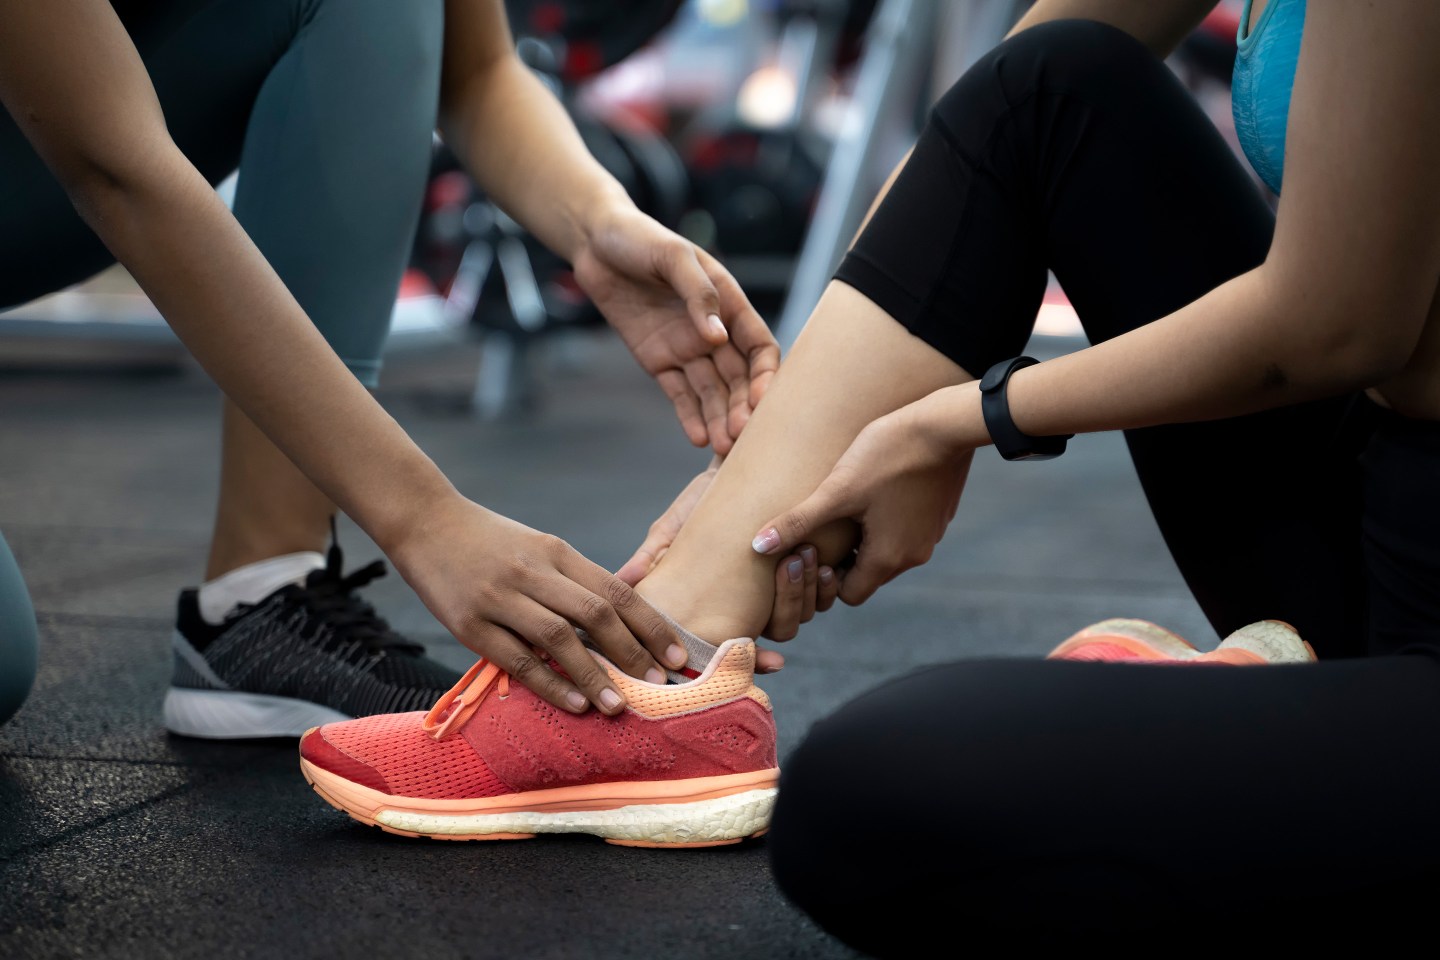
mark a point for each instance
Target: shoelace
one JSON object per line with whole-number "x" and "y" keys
{"x": 330, "y": 595}
{"x": 459, "y": 703}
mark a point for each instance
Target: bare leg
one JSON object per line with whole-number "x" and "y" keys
{"x": 851, "y": 365}
{"x": 267, "y": 506}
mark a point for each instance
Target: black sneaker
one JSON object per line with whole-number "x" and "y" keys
{"x": 303, "y": 656}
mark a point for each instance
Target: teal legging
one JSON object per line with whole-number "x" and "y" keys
{"x": 17, "y": 636}
{"x": 326, "y": 107}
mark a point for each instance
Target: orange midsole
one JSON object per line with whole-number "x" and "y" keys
{"x": 594, "y": 796}
{"x": 1135, "y": 645}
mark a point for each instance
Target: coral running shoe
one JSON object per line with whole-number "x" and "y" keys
{"x": 685, "y": 765}
{"x": 1140, "y": 641}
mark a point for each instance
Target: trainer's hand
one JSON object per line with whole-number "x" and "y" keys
{"x": 684, "y": 318}
{"x": 900, "y": 481}
{"x": 502, "y": 588}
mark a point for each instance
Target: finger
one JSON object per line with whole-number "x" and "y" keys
{"x": 787, "y": 532}
{"x": 868, "y": 575}
{"x": 827, "y": 590}
{"x": 748, "y": 330}
{"x": 637, "y": 620}
{"x": 516, "y": 658}
{"x": 809, "y": 560}
{"x": 638, "y": 566}
{"x": 682, "y": 270}
{"x": 646, "y": 556}
{"x": 789, "y": 586}
{"x": 687, "y": 405}
{"x": 573, "y": 603}
{"x": 705, "y": 381}
{"x": 769, "y": 661}
{"x": 736, "y": 374}
{"x": 752, "y": 339}
{"x": 555, "y": 635}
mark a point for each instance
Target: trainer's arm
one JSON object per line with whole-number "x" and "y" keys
{"x": 72, "y": 79}
{"x": 74, "y": 82}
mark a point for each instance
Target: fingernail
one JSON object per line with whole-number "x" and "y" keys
{"x": 654, "y": 675}
{"x": 576, "y": 701}
{"x": 767, "y": 542}
{"x": 795, "y": 570}
{"x": 609, "y": 699}
{"x": 715, "y": 325}
{"x": 826, "y": 574}
{"x": 808, "y": 555}
{"x": 676, "y": 655}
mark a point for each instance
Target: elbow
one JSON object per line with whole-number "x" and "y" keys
{"x": 108, "y": 187}
{"x": 1364, "y": 350}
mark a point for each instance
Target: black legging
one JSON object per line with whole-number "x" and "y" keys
{"x": 1038, "y": 800}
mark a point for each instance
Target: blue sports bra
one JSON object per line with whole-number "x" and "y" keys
{"x": 1260, "y": 89}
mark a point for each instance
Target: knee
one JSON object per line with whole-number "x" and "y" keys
{"x": 1086, "y": 58}
{"x": 405, "y": 40}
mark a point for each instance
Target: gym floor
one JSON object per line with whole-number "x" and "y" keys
{"x": 119, "y": 840}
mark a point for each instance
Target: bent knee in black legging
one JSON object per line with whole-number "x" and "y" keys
{"x": 959, "y": 250}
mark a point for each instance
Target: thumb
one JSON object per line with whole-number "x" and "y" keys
{"x": 688, "y": 278}
{"x": 795, "y": 527}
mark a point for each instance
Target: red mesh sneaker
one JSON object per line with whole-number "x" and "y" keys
{"x": 685, "y": 765}
{"x": 1140, "y": 641}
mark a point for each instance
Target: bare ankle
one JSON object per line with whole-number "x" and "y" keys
{"x": 676, "y": 596}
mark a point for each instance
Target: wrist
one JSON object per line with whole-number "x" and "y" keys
{"x": 424, "y": 509}
{"x": 593, "y": 212}
{"x": 950, "y": 419}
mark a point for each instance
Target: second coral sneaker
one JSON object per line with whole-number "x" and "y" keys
{"x": 685, "y": 765}
{"x": 1122, "y": 640}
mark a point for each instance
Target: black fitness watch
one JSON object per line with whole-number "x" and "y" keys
{"x": 995, "y": 408}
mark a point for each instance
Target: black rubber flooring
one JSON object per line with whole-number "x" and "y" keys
{"x": 118, "y": 840}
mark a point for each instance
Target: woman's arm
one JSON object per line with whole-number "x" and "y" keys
{"x": 669, "y": 300}
{"x": 1340, "y": 302}
{"x": 73, "y": 81}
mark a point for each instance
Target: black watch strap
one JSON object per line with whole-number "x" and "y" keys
{"x": 1011, "y": 443}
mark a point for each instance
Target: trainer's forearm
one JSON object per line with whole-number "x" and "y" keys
{"x": 523, "y": 149}
{"x": 76, "y": 86}
{"x": 226, "y": 304}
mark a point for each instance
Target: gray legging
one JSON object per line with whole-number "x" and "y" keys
{"x": 17, "y": 636}
{"x": 327, "y": 108}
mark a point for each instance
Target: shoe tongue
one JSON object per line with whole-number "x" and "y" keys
{"x": 254, "y": 582}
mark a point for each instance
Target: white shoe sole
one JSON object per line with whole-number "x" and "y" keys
{"x": 620, "y": 813}
{"x": 234, "y": 715}
{"x": 1272, "y": 640}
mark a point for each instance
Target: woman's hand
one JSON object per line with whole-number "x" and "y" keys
{"x": 502, "y": 588}
{"x": 900, "y": 480}
{"x": 803, "y": 586}
{"x": 672, "y": 303}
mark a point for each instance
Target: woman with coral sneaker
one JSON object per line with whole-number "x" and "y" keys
{"x": 117, "y": 115}
{"x": 1278, "y": 379}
